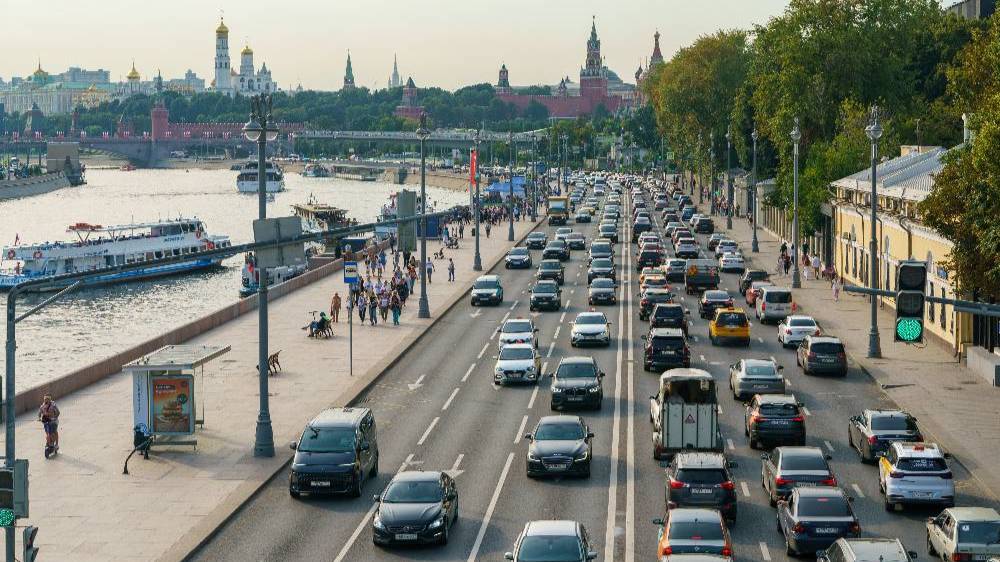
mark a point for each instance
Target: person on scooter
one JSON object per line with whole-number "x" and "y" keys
{"x": 48, "y": 413}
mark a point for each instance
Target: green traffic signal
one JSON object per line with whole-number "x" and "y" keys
{"x": 6, "y": 517}
{"x": 909, "y": 329}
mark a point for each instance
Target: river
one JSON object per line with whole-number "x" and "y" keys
{"x": 92, "y": 324}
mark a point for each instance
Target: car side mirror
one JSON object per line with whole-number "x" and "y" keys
{"x": 508, "y": 555}
{"x": 912, "y": 554}
{"x": 376, "y": 498}
{"x": 658, "y": 521}
{"x": 293, "y": 445}
{"x": 591, "y": 555}
{"x": 765, "y": 456}
{"x": 536, "y": 330}
{"x": 800, "y": 404}
{"x": 529, "y": 437}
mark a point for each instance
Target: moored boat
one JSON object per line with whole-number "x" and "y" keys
{"x": 246, "y": 180}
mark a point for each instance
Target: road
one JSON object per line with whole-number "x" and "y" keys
{"x": 437, "y": 408}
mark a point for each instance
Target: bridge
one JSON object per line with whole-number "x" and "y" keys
{"x": 440, "y": 137}
{"x": 141, "y": 151}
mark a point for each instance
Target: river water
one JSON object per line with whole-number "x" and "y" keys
{"x": 95, "y": 323}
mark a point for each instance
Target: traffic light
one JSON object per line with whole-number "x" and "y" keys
{"x": 911, "y": 287}
{"x": 7, "y": 516}
{"x": 30, "y": 550}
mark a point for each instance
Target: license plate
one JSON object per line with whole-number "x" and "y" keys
{"x": 557, "y": 466}
{"x": 320, "y": 484}
{"x": 575, "y": 398}
{"x": 760, "y": 386}
{"x": 406, "y": 537}
{"x": 779, "y": 422}
{"x": 826, "y": 530}
{"x": 701, "y": 490}
{"x": 981, "y": 557}
{"x": 923, "y": 494}
{"x": 827, "y": 359}
{"x": 805, "y": 484}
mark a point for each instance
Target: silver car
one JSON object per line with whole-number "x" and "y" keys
{"x": 964, "y": 533}
{"x": 793, "y": 329}
{"x": 755, "y": 376}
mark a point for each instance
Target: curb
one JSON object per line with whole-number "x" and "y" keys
{"x": 208, "y": 528}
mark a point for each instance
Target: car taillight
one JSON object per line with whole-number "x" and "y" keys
{"x": 872, "y": 440}
{"x": 687, "y": 350}
{"x": 757, "y": 418}
{"x": 961, "y": 557}
{"x": 947, "y": 475}
{"x": 816, "y": 333}
{"x": 895, "y": 474}
{"x": 667, "y": 551}
{"x": 763, "y": 305}
{"x": 842, "y": 356}
{"x": 728, "y": 485}
{"x": 831, "y": 481}
{"x": 677, "y": 484}
{"x": 798, "y": 419}
{"x": 727, "y": 551}
{"x": 798, "y": 528}
{"x": 855, "y": 528}
{"x": 780, "y": 481}
{"x": 794, "y": 306}
{"x": 644, "y": 302}
{"x": 788, "y": 331}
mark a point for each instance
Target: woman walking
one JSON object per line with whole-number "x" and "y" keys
{"x": 837, "y": 285}
{"x": 362, "y": 306}
{"x": 373, "y": 309}
{"x": 396, "y": 306}
{"x": 383, "y": 305}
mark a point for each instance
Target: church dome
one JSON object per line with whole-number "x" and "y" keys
{"x": 133, "y": 74}
{"x": 246, "y": 50}
{"x": 222, "y": 29}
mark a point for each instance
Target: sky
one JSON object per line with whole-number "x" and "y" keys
{"x": 445, "y": 43}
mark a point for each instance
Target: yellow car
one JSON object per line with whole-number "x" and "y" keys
{"x": 730, "y": 325}
{"x": 590, "y": 210}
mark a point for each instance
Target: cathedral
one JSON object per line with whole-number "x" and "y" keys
{"x": 248, "y": 81}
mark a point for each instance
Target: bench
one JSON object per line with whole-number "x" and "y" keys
{"x": 273, "y": 363}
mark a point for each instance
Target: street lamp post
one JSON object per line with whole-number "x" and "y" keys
{"x": 796, "y": 135}
{"x": 510, "y": 199}
{"x": 874, "y": 133}
{"x": 729, "y": 177}
{"x": 477, "y": 261}
{"x": 711, "y": 170}
{"x": 563, "y": 158}
{"x": 754, "y": 245}
{"x": 260, "y": 130}
{"x": 701, "y": 187}
{"x": 534, "y": 179}
{"x": 424, "y": 310}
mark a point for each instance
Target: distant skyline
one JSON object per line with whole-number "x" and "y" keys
{"x": 446, "y": 43}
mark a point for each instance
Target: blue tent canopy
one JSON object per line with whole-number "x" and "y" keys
{"x": 503, "y": 188}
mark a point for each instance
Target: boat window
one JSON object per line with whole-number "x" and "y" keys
{"x": 194, "y": 250}
{"x": 119, "y": 259}
{"x": 176, "y": 252}
{"x": 149, "y": 256}
{"x": 158, "y": 254}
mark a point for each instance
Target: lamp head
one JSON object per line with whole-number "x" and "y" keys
{"x": 796, "y": 133}
{"x": 874, "y": 129}
{"x": 754, "y": 135}
{"x": 252, "y": 130}
{"x": 422, "y": 131}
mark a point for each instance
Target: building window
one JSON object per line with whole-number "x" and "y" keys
{"x": 944, "y": 319}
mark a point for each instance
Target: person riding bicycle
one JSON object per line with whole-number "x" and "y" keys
{"x": 48, "y": 413}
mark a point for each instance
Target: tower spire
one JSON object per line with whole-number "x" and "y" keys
{"x": 349, "y": 74}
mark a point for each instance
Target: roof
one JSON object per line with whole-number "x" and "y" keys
{"x": 559, "y": 419}
{"x": 666, "y": 333}
{"x": 819, "y": 491}
{"x": 339, "y": 417}
{"x": 918, "y": 450}
{"x": 685, "y": 373}
{"x": 886, "y": 413}
{"x": 757, "y": 362}
{"x": 550, "y": 527}
{"x": 974, "y": 513}
{"x": 577, "y": 359}
{"x": 823, "y": 339}
{"x": 694, "y": 514}
{"x": 222, "y": 29}
{"x": 775, "y": 398}
{"x": 418, "y": 476}
{"x": 799, "y": 451}
{"x": 909, "y": 177}
{"x": 873, "y": 548}
{"x": 177, "y": 357}
{"x": 488, "y": 278}
{"x": 700, "y": 460}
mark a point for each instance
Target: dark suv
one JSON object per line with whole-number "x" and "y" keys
{"x": 551, "y": 269}
{"x": 545, "y": 294}
{"x": 536, "y": 240}
{"x": 651, "y": 297}
{"x": 821, "y": 355}
{"x": 774, "y": 419}
{"x": 336, "y": 454}
{"x": 669, "y": 316}
{"x": 666, "y": 348}
{"x": 649, "y": 258}
{"x": 556, "y": 249}
{"x": 701, "y": 480}
{"x": 704, "y": 226}
{"x": 577, "y": 382}
{"x": 751, "y": 275}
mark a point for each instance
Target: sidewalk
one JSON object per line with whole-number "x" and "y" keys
{"x": 87, "y": 510}
{"x": 954, "y": 407}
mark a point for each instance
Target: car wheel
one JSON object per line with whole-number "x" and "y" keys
{"x": 359, "y": 483}
{"x": 889, "y": 506}
{"x": 293, "y": 493}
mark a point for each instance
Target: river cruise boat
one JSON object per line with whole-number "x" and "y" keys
{"x": 246, "y": 180}
{"x": 390, "y": 211}
{"x": 315, "y": 171}
{"x": 320, "y": 217}
{"x": 98, "y": 247}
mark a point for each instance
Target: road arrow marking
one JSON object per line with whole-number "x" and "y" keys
{"x": 454, "y": 472}
{"x": 857, "y": 490}
{"x": 476, "y": 314}
{"x": 417, "y": 384}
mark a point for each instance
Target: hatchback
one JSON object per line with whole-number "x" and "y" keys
{"x": 755, "y": 376}
{"x": 693, "y": 530}
{"x": 701, "y": 480}
{"x": 964, "y": 533}
{"x": 871, "y": 432}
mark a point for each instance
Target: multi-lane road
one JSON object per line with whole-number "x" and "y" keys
{"x": 438, "y": 408}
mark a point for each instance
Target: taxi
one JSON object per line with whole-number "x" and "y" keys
{"x": 657, "y": 280}
{"x": 730, "y": 325}
{"x": 647, "y": 271}
{"x": 915, "y": 473}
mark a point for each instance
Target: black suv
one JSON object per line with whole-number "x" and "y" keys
{"x": 536, "y": 240}
{"x": 649, "y": 258}
{"x": 704, "y": 226}
{"x": 551, "y": 269}
{"x": 545, "y": 294}
{"x": 666, "y": 348}
{"x": 702, "y": 480}
{"x": 602, "y": 267}
{"x": 774, "y": 419}
{"x": 652, "y": 297}
{"x": 669, "y": 316}
{"x": 336, "y": 454}
{"x": 576, "y": 382}
{"x": 556, "y": 249}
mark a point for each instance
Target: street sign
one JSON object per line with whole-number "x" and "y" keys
{"x": 670, "y": 155}
{"x": 350, "y": 272}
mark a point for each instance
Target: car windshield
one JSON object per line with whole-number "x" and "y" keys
{"x": 602, "y": 263}
{"x": 893, "y": 423}
{"x": 516, "y": 326}
{"x": 591, "y": 319}
{"x": 696, "y": 530}
{"x": 413, "y": 491}
{"x": 545, "y": 288}
{"x": 803, "y": 462}
{"x": 981, "y": 532}
{"x": 485, "y": 285}
{"x": 657, "y": 296}
{"x": 519, "y": 252}
{"x": 761, "y": 371}
{"x": 668, "y": 342}
{"x": 550, "y": 549}
{"x": 559, "y": 432}
{"x": 786, "y": 410}
{"x": 802, "y": 323}
{"x": 731, "y": 319}
{"x": 576, "y": 371}
{"x": 668, "y": 312}
{"x": 783, "y": 297}
{"x": 716, "y": 296}
{"x": 510, "y": 353}
{"x": 331, "y": 440}
{"x": 549, "y": 265}
{"x": 921, "y": 464}
{"x": 701, "y": 475}
{"x": 823, "y": 507}
{"x": 603, "y": 283}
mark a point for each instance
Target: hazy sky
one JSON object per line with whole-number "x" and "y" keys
{"x": 447, "y": 43}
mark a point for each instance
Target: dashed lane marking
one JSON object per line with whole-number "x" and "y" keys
{"x": 806, "y": 411}
{"x": 427, "y": 433}
{"x": 562, "y": 317}
{"x": 857, "y": 490}
{"x": 551, "y": 347}
{"x": 450, "y": 398}
{"x": 745, "y": 488}
{"x": 520, "y": 430}
{"x": 701, "y": 357}
{"x": 555, "y": 335}
{"x": 828, "y": 445}
{"x": 483, "y": 350}
{"x": 513, "y": 306}
{"x": 760, "y": 340}
{"x": 489, "y": 510}
{"x": 534, "y": 394}
{"x": 469, "y": 372}
{"x": 763, "y": 551}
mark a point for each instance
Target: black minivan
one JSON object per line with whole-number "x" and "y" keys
{"x": 336, "y": 454}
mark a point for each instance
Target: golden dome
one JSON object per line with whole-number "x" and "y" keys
{"x": 133, "y": 74}
{"x": 246, "y": 50}
{"x": 39, "y": 71}
{"x": 222, "y": 29}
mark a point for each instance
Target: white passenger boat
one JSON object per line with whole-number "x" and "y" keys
{"x": 97, "y": 247}
{"x": 246, "y": 181}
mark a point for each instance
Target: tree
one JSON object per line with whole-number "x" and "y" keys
{"x": 536, "y": 111}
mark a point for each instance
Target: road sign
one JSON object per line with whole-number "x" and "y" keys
{"x": 350, "y": 272}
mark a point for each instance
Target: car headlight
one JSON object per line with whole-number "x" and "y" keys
{"x": 498, "y": 369}
{"x": 530, "y": 369}
{"x": 556, "y": 390}
{"x": 436, "y": 523}
{"x": 532, "y": 456}
{"x": 583, "y": 456}
{"x": 377, "y": 522}
{"x": 294, "y": 477}
{"x": 594, "y": 389}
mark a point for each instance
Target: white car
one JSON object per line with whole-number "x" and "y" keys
{"x": 726, "y": 247}
{"x": 732, "y": 263}
{"x": 590, "y": 328}
{"x": 517, "y": 330}
{"x": 563, "y": 232}
{"x": 793, "y": 329}
{"x": 517, "y": 362}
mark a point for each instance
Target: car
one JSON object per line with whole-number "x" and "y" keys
{"x": 669, "y": 316}
{"x": 754, "y": 291}
{"x": 647, "y": 271}
{"x": 487, "y": 290}
{"x": 335, "y": 454}
{"x": 711, "y": 300}
{"x": 669, "y": 216}
{"x": 556, "y": 249}
{"x": 813, "y": 518}
{"x": 651, "y": 297}
{"x": 774, "y": 419}
{"x": 751, "y": 275}
{"x": 866, "y": 550}
{"x": 660, "y": 203}
{"x": 609, "y": 231}
{"x": 648, "y": 237}
{"x": 784, "y": 468}
{"x": 793, "y": 329}
{"x": 517, "y": 330}
{"x": 583, "y": 215}
{"x": 687, "y": 213}
{"x": 576, "y": 241}
{"x": 773, "y": 303}
{"x": 672, "y": 227}
{"x": 590, "y": 328}
{"x": 517, "y": 363}
{"x": 665, "y": 348}
{"x": 536, "y": 240}
{"x": 701, "y": 480}
{"x": 602, "y": 291}
{"x": 654, "y": 281}
{"x": 552, "y": 540}
{"x": 562, "y": 232}
{"x": 964, "y": 533}
{"x": 872, "y": 431}
{"x": 551, "y": 269}
{"x": 673, "y": 269}
{"x": 755, "y": 376}
{"x": 601, "y": 248}
{"x": 729, "y": 325}
{"x": 726, "y": 247}
{"x": 704, "y": 225}
{"x": 518, "y": 258}
{"x": 560, "y": 445}
{"x": 693, "y": 530}
{"x": 577, "y": 381}
{"x": 640, "y": 225}
{"x": 545, "y": 294}
{"x": 731, "y": 263}
{"x": 915, "y": 474}
{"x": 680, "y": 233}
{"x": 821, "y": 355}
{"x": 417, "y": 507}
{"x": 687, "y": 249}
{"x": 714, "y": 240}
{"x": 602, "y": 268}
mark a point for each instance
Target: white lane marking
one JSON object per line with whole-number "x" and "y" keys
{"x": 551, "y": 347}
{"x": 806, "y": 411}
{"x": 763, "y": 551}
{"x": 730, "y": 444}
{"x": 562, "y": 317}
{"x": 630, "y": 447}
{"x": 454, "y": 472}
{"x": 417, "y": 383}
{"x": 505, "y": 316}
{"x": 450, "y": 398}
{"x": 534, "y": 394}
{"x": 545, "y": 368}
{"x": 745, "y": 488}
{"x": 494, "y": 334}
{"x": 469, "y": 372}
{"x": 513, "y": 306}
{"x": 609, "y": 536}
{"x": 555, "y": 336}
{"x": 427, "y": 433}
{"x": 857, "y": 490}
{"x": 828, "y": 445}
{"x": 477, "y": 313}
{"x": 701, "y": 357}
{"x": 364, "y": 520}
{"x": 483, "y": 351}
{"x": 489, "y": 510}
{"x": 520, "y": 430}
{"x": 695, "y": 338}
{"x": 715, "y": 363}
{"x": 760, "y": 340}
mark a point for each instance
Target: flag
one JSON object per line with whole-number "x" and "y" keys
{"x": 473, "y": 164}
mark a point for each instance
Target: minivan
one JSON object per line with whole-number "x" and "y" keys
{"x": 336, "y": 453}
{"x": 774, "y": 303}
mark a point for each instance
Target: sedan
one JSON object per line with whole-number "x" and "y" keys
{"x": 755, "y": 376}
{"x": 545, "y": 295}
{"x": 536, "y": 240}
{"x": 651, "y": 297}
{"x": 674, "y": 269}
{"x": 693, "y": 530}
{"x": 711, "y": 300}
{"x": 602, "y": 267}
{"x": 517, "y": 363}
{"x": 518, "y": 258}
{"x": 714, "y": 240}
{"x": 751, "y": 275}
{"x": 576, "y": 241}
{"x": 785, "y": 467}
{"x": 582, "y": 216}
{"x": 590, "y": 328}
{"x": 556, "y": 249}
{"x": 726, "y": 247}
{"x": 559, "y": 445}
{"x": 732, "y": 263}
{"x": 602, "y": 291}
{"x": 813, "y": 518}
{"x": 793, "y": 329}
{"x": 417, "y": 507}
{"x": 562, "y": 232}
{"x": 566, "y": 541}
{"x": 871, "y": 432}
{"x": 552, "y": 270}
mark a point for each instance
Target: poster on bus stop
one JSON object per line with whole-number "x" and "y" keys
{"x": 172, "y": 404}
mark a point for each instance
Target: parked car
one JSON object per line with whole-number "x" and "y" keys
{"x": 417, "y": 507}
{"x": 821, "y": 355}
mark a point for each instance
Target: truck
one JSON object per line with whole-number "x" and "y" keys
{"x": 558, "y": 212}
{"x": 700, "y": 274}
{"x": 685, "y": 413}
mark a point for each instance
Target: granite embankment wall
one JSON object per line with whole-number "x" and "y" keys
{"x": 12, "y": 189}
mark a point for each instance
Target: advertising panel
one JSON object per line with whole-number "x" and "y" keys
{"x": 172, "y": 404}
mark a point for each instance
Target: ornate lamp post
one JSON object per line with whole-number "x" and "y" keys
{"x": 260, "y": 130}
{"x": 711, "y": 170}
{"x": 477, "y": 261}
{"x": 701, "y": 188}
{"x": 534, "y": 179}
{"x": 729, "y": 177}
{"x": 423, "y": 133}
{"x": 874, "y": 133}
{"x": 562, "y": 161}
{"x": 796, "y": 135}
{"x": 510, "y": 199}
{"x": 754, "y": 245}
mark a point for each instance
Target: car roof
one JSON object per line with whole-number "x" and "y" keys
{"x": 578, "y": 359}
{"x": 823, "y": 339}
{"x": 546, "y": 282}
{"x": 518, "y": 346}
{"x": 559, "y": 419}
{"x": 776, "y": 398}
{"x": 488, "y": 278}
{"x": 874, "y": 548}
{"x": 757, "y": 362}
{"x": 819, "y": 492}
{"x": 550, "y": 527}
{"x": 666, "y": 333}
{"x": 588, "y": 314}
{"x": 694, "y": 514}
{"x": 700, "y": 460}
{"x": 716, "y": 293}
{"x": 800, "y": 451}
{"x": 550, "y": 262}
{"x": 339, "y": 417}
{"x": 798, "y": 317}
{"x": 509, "y": 320}
{"x": 974, "y": 513}
{"x": 417, "y": 476}
{"x": 886, "y": 413}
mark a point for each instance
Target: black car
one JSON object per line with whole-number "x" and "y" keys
{"x": 665, "y": 348}
{"x": 576, "y": 241}
{"x": 417, "y": 507}
{"x": 559, "y": 445}
{"x": 651, "y": 297}
{"x": 751, "y": 275}
{"x": 704, "y": 225}
{"x": 871, "y": 432}
{"x": 602, "y": 291}
{"x": 670, "y": 216}
{"x": 639, "y": 226}
{"x": 610, "y": 232}
{"x": 336, "y": 454}
{"x": 601, "y": 249}
{"x": 518, "y": 258}
{"x": 649, "y": 258}
{"x": 582, "y": 217}
{"x": 551, "y": 269}
{"x": 702, "y": 480}
{"x": 545, "y": 295}
{"x": 774, "y": 419}
{"x": 711, "y": 300}
{"x": 812, "y": 519}
{"x": 556, "y": 249}
{"x": 821, "y": 355}
{"x": 577, "y": 382}
{"x": 786, "y": 467}
{"x": 552, "y": 540}
{"x": 602, "y": 267}
{"x": 669, "y": 316}
{"x": 536, "y": 240}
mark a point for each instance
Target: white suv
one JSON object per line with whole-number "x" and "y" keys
{"x": 915, "y": 473}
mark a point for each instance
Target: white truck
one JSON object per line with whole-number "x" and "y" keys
{"x": 685, "y": 413}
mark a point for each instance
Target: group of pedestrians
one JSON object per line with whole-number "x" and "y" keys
{"x": 811, "y": 267}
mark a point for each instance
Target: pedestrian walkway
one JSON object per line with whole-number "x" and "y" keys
{"x": 87, "y": 510}
{"x": 954, "y": 407}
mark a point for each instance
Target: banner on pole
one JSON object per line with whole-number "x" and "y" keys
{"x": 473, "y": 164}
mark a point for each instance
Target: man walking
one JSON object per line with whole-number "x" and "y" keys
{"x": 451, "y": 270}
{"x": 335, "y": 307}
{"x": 430, "y": 271}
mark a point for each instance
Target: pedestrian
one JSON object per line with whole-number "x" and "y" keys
{"x": 784, "y": 247}
{"x": 48, "y": 413}
{"x": 335, "y": 307}
{"x": 451, "y": 270}
{"x": 805, "y": 266}
{"x": 781, "y": 265}
{"x": 383, "y": 305}
{"x": 837, "y": 285}
{"x": 461, "y": 230}
{"x": 362, "y": 307}
{"x": 412, "y": 273}
{"x": 396, "y": 305}
{"x": 430, "y": 271}
{"x": 373, "y": 309}
{"x": 815, "y": 266}
{"x": 787, "y": 263}
{"x": 487, "y": 230}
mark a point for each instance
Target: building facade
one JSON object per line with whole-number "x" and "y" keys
{"x": 974, "y": 9}
{"x": 408, "y": 108}
{"x": 248, "y": 81}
